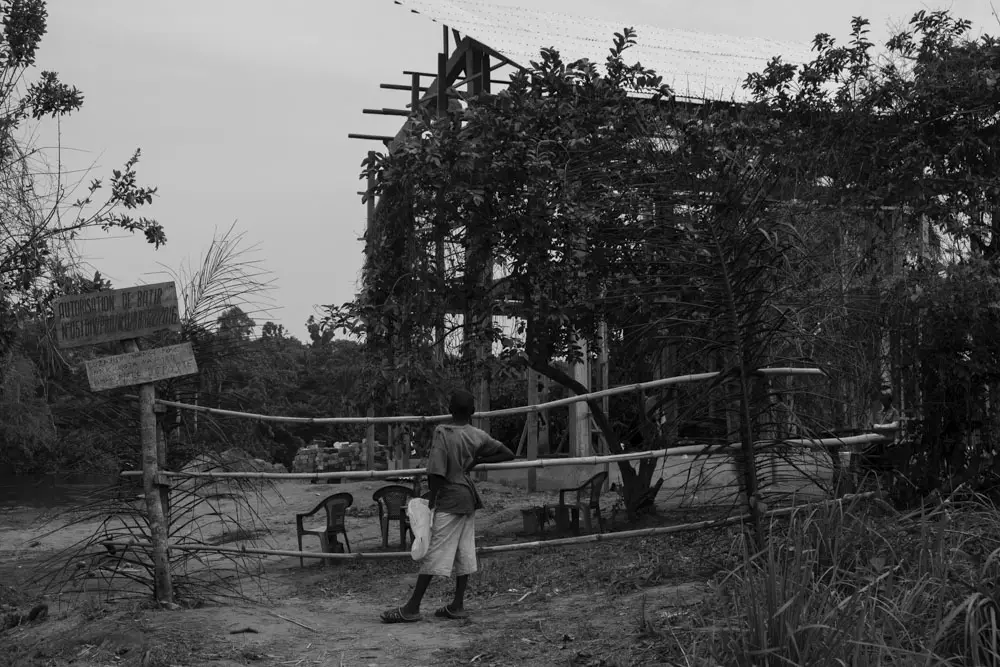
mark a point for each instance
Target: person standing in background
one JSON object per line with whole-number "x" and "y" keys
{"x": 456, "y": 448}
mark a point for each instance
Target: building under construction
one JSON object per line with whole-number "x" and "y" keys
{"x": 483, "y": 44}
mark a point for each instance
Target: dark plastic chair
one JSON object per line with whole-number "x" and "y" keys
{"x": 336, "y": 511}
{"x": 585, "y": 499}
{"x": 391, "y": 501}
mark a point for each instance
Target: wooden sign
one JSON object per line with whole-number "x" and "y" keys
{"x": 123, "y": 370}
{"x": 101, "y": 317}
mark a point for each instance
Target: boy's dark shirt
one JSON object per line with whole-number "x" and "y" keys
{"x": 888, "y": 415}
{"x": 454, "y": 449}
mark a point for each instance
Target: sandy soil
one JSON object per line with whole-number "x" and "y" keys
{"x": 328, "y": 615}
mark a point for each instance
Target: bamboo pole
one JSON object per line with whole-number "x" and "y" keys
{"x": 502, "y": 548}
{"x": 689, "y": 450}
{"x": 623, "y": 389}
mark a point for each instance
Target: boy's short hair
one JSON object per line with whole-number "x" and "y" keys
{"x": 462, "y": 405}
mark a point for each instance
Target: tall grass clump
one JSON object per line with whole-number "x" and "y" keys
{"x": 863, "y": 585}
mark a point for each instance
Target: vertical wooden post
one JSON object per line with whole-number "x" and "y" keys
{"x": 470, "y": 71}
{"x": 474, "y": 68}
{"x": 602, "y": 376}
{"x": 161, "y": 461}
{"x": 603, "y": 381}
{"x": 163, "y": 587}
{"x": 441, "y": 228}
{"x": 414, "y": 92}
{"x": 370, "y": 441}
{"x": 390, "y": 447}
{"x": 544, "y": 424}
{"x": 370, "y": 209}
{"x": 369, "y": 338}
{"x": 442, "y": 84}
{"x": 532, "y": 427}
{"x": 733, "y": 414}
{"x": 407, "y": 439}
{"x": 668, "y": 368}
{"x": 579, "y": 428}
{"x": 194, "y": 414}
{"x": 478, "y": 281}
{"x": 482, "y": 393}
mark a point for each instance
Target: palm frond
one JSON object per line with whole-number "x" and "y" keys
{"x": 228, "y": 275}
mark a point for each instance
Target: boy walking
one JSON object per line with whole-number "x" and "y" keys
{"x": 456, "y": 448}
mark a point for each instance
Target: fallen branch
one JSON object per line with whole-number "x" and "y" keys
{"x": 292, "y": 620}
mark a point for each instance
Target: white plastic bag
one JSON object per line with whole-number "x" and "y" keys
{"x": 420, "y": 516}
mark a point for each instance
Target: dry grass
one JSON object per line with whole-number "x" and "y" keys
{"x": 856, "y": 584}
{"x": 864, "y": 585}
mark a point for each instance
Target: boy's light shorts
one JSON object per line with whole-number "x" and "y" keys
{"x": 453, "y": 546}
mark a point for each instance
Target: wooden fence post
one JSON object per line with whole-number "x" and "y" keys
{"x": 161, "y": 462}
{"x": 151, "y": 483}
{"x": 532, "y": 429}
{"x": 370, "y": 441}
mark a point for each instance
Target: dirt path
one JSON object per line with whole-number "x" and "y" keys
{"x": 344, "y": 632}
{"x": 521, "y": 614}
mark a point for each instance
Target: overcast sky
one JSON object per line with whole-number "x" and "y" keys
{"x": 242, "y": 109}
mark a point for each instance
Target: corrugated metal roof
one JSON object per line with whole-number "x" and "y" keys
{"x": 697, "y": 65}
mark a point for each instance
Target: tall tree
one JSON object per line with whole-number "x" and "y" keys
{"x": 40, "y": 219}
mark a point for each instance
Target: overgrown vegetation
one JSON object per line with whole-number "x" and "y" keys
{"x": 829, "y": 221}
{"x": 43, "y": 213}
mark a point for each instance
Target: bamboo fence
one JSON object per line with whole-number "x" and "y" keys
{"x": 485, "y": 551}
{"x": 689, "y": 450}
{"x": 525, "y": 409}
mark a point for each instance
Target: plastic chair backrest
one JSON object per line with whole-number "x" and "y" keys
{"x": 393, "y": 499}
{"x": 336, "y": 509}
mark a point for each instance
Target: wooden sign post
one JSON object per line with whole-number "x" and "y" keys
{"x": 126, "y": 315}
{"x": 138, "y": 368}
{"x": 158, "y": 530}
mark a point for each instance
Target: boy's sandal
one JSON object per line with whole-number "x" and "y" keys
{"x": 396, "y": 616}
{"x": 446, "y": 612}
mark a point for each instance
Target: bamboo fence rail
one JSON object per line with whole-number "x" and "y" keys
{"x": 689, "y": 450}
{"x": 485, "y": 551}
{"x": 525, "y": 409}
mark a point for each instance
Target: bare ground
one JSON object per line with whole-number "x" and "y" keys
{"x": 614, "y": 603}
